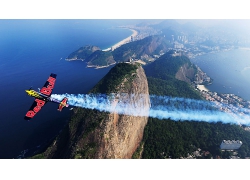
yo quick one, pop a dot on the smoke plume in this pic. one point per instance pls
(161, 107)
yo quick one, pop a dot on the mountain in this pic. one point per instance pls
(100, 58)
(95, 134)
(171, 75)
(93, 56)
(142, 49)
(82, 53)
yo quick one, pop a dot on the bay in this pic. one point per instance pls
(230, 71)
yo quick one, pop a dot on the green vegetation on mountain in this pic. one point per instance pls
(93, 55)
(171, 87)
(161, 77)
(82, 53)
(166, 66)
(175, 139)
(148, 46)
(100, 58)
(115, 76)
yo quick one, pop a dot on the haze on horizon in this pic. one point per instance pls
(234, 25)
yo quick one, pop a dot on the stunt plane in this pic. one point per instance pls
(42, 97)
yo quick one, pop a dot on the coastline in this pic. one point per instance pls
(202, 88)
(124, 41)
(66, 59)
(120, 43)
(99, 67)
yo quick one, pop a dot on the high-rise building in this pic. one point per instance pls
(230, 145)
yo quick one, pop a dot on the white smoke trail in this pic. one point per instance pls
(162, 107)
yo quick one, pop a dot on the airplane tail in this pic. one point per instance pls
(63, 104)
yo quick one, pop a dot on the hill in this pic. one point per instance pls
(100, 58)
(162, 77)
(82, 53)
(142, 49)
(175, 139)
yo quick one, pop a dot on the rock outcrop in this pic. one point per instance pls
(191, 73)
(94, 134)
(123, 133)
(186, 73)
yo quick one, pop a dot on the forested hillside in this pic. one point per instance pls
(148, 46)
(161, 77)
(175, 139)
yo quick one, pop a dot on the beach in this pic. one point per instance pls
(202, 88)
(124, 41)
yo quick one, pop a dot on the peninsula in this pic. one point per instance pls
(97, 58)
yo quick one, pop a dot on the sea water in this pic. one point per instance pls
(230, 71)
(30, 50)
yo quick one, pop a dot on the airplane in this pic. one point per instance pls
(44, 96)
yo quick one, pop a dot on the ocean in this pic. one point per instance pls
(230, 71)
(30, 50)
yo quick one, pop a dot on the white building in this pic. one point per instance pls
(230, 145)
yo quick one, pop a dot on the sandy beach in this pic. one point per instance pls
(202, 88)
(124, 41)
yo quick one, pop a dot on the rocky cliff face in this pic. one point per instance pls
(186, 73)
(123, 133)
(191, 73)
(94, 134)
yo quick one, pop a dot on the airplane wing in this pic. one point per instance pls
(35, 107)
(49, 85)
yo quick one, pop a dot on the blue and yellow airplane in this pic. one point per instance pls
(44, 96)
